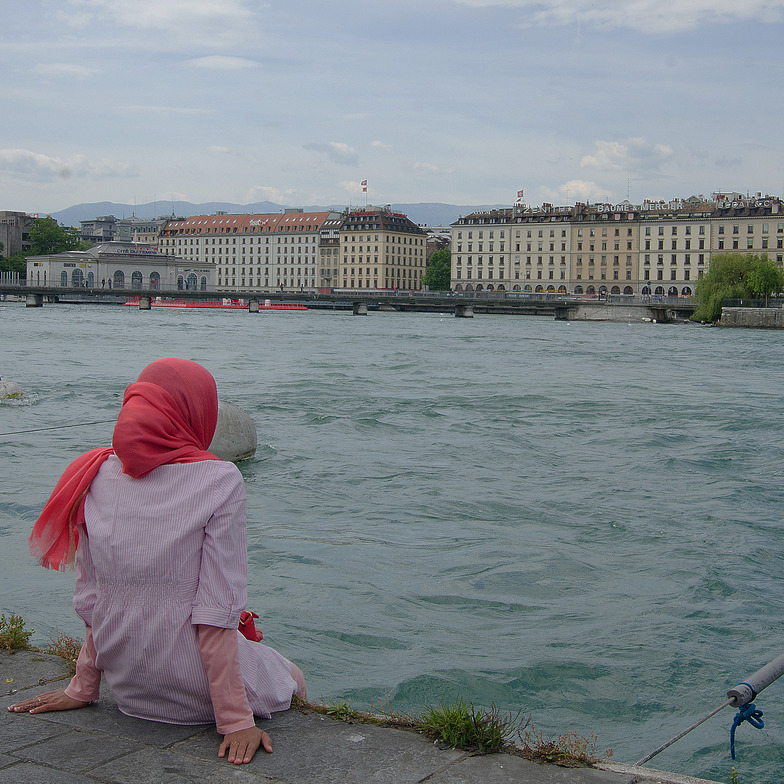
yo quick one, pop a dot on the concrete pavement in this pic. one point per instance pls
(100, 744)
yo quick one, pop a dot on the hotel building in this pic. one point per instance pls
(659, 248)
(380, 249)
(372, 247)
(252, 252)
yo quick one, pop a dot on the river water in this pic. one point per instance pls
(582, 522)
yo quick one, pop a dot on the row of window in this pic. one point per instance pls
(647, 231)
(117, 280)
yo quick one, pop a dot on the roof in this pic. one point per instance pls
(245, 224)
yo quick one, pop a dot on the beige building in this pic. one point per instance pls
(658, 248)
(380, 249)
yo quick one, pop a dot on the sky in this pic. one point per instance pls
(458, 101)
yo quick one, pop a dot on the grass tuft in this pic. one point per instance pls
(458, 725)
(67, 648)
(13, 635)
(340, 709)
(569, 749)
(462, 726)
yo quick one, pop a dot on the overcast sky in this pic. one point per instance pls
(458, 101)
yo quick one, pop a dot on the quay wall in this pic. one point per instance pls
(753, 318)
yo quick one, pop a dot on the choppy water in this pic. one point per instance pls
(582, 521)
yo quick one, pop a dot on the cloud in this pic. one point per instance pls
(269, 193)
(630, 154)
(219, 148)
(198, 22)
(173, 196)
(220, 62)
(353, 188)
(67, 70)
(153, 109)
(381, 146)
(337, 152)
(646, 16)
(27, 164)
(576, 190)
(430, 168)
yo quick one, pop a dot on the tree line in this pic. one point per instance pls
(46, 236)
(736, 276)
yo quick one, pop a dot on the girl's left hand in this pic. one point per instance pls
(243, 744)
(49, 701)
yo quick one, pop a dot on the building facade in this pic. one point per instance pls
(101, 229)
(119, 266)
(657, 248)
(14, 228)
(251, 252)
(297, 250)
(145, 231)
(380, 249)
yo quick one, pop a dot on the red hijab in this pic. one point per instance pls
(168, 416)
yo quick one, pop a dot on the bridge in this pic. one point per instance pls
(562, 307)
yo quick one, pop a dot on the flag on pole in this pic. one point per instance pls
(520, 194)
(364, 186)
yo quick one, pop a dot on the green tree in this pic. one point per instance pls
(47, 236)
(733, 276)
(765, 277)
(16, 263)
(438, 274)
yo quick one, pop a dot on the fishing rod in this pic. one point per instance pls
(741, 697)
(57, 427)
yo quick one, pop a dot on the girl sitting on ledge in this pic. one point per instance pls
(156, 527)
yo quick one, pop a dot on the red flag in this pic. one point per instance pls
(520, 194)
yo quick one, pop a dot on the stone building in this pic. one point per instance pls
(380, 249)
(145, 231)
(370, 247)
(14, 228)
(102, 229)
(658, 248)
(252, 252)
(119, 266)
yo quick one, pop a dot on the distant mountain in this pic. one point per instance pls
(426, 214)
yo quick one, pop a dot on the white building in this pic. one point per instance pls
(265, 252)
(119, 266)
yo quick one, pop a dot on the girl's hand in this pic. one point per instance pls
(243, 744)
(50, 701)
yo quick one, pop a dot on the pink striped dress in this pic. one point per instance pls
(162, 554)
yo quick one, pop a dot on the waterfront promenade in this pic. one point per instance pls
(99, 744)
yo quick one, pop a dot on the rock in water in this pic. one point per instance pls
(235, 434)
(10, 389)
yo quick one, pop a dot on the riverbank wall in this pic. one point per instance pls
(753, 318)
